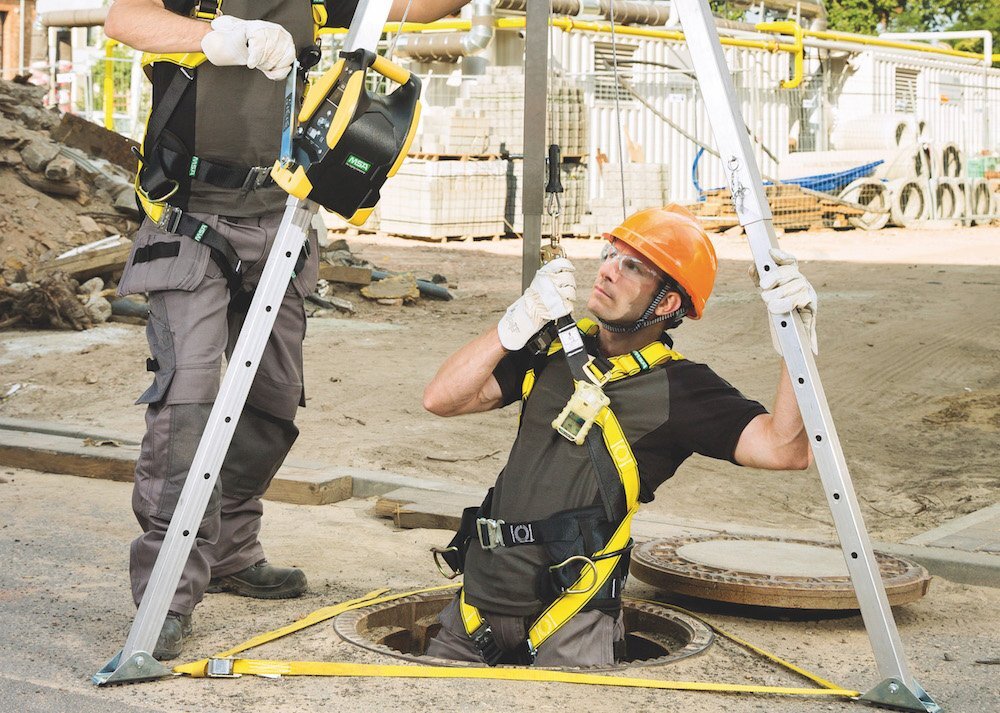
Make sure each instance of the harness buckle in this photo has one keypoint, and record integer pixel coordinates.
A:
(486, 644)
(170, 218)
(490, 533)
(257, 177)
(221, 668)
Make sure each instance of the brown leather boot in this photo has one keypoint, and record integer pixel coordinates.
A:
(171, 638)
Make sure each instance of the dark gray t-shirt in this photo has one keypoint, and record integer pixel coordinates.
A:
(234, 114)
(667, 413)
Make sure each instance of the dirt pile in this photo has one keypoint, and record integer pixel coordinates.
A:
(52, 196)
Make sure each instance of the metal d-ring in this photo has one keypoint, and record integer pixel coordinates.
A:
(588, 562)
(438, 551)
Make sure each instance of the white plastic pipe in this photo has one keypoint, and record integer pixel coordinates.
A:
(74, 18)
(438, 46)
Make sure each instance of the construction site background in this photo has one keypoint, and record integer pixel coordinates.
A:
(874, 132)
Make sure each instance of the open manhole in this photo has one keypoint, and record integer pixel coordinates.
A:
(768, 572)
(402, 628)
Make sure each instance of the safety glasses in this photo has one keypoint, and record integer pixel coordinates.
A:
(629, 266)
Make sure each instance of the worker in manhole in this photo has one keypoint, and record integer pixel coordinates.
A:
(213, 133)
(609, 411)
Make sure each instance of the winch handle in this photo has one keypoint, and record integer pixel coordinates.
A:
(554, 162)
(389, 70)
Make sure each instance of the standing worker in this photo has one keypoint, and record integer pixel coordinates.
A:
(546, 555)
(213, 134)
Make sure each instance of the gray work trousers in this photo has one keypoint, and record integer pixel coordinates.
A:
(588, 639)
(193, 321)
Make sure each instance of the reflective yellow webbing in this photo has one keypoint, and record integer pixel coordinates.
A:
(264, 667)
(591, 579)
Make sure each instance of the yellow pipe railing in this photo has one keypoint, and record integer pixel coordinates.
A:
(892, 44)
(784, 27)
(568, 24)
(789, 27)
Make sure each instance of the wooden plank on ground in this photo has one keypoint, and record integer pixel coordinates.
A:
(301, 485)
(60, 454)
(308, 486)
(412, 508)
(345, 273)
(91, 263)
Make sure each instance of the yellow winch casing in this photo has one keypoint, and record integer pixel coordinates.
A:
(351, 139)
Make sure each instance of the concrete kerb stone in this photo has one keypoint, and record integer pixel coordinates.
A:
(975, 568)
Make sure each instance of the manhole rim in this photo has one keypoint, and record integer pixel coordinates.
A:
(700, 636)
(907, 584)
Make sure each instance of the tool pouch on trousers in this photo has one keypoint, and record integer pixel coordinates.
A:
(163, 261)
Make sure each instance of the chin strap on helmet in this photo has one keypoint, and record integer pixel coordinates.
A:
(647, 317)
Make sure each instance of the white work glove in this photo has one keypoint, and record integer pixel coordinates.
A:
(272, 50)
(251, 43)
(785, 289)
(549, 297)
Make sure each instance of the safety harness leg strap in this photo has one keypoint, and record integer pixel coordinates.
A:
(177, 221)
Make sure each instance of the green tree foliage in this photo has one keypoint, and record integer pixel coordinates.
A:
(872, 16)
(864, 16)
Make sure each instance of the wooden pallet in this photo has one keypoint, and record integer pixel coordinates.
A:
(791, 209)
(453, 156)
(448, 238)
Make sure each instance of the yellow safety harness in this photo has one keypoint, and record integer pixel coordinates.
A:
(600, 565)
(164, 160)
(226, 664)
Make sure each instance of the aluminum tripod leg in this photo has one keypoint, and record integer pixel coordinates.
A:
(134, 662)
(536, 77)
(898, 688)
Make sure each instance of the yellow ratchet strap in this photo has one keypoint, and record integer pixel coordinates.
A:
(265, 667)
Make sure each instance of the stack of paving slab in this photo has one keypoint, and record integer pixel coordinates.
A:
(454, 130)
(488, 117)
(445, 199)
(646, 185)
(573, 198)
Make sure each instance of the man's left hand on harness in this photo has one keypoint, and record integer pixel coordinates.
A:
(549, 297)
(785, 289)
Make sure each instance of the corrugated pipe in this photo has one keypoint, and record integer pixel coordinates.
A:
(93, 17)
(627, 12)
(451, 45)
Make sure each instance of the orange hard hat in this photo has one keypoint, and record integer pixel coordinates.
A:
(672, 239)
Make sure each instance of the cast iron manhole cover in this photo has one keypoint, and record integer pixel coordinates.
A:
(767, 571)
(655, 634)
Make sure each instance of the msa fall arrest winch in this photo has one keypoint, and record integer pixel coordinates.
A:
(349, 139)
